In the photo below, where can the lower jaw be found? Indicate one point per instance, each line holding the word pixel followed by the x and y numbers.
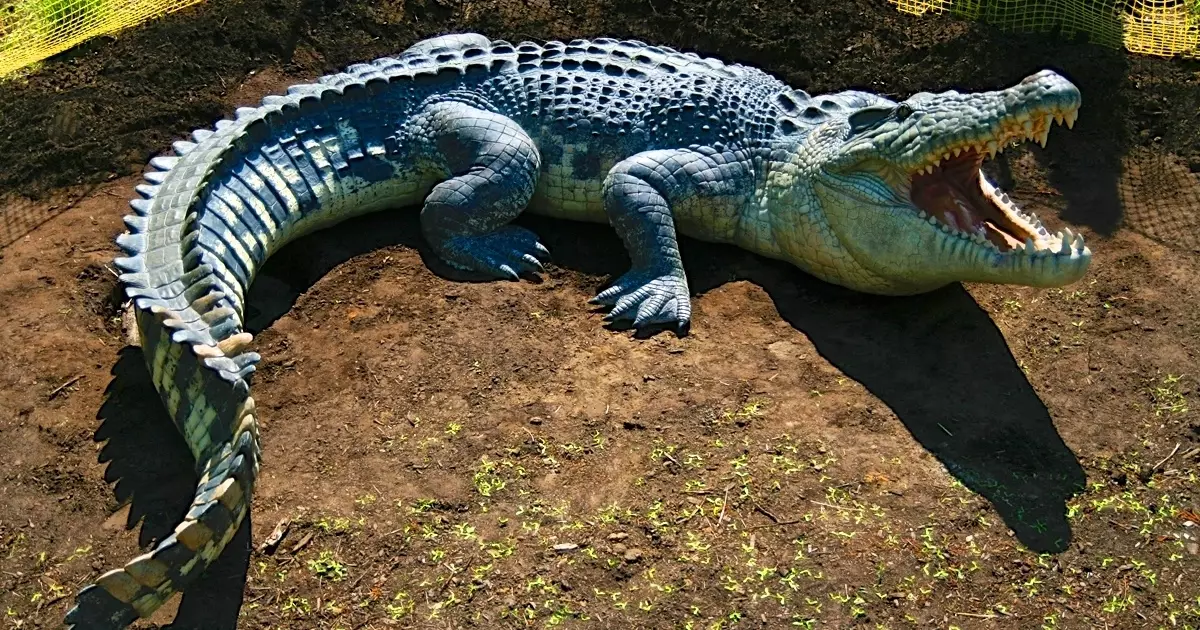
pixel 952 259
pixel 1042 268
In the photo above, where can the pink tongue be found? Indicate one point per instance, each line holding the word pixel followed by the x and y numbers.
pixel 961 217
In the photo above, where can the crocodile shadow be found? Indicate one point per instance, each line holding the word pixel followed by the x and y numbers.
pixel 943 367
pixel 151 470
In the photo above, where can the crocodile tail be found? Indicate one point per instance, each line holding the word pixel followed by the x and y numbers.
pixel 188 286
pixel 194 348
pixel 222 497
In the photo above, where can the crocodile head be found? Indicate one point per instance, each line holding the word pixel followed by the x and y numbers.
pixel 900 189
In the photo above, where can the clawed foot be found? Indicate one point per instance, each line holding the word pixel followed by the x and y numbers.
pixel 648 297
pixel 504 253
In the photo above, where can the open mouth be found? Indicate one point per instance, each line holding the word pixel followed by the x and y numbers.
pixel 952 194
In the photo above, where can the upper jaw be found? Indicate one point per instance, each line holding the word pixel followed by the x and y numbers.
pixel 986 140
pixel 968 129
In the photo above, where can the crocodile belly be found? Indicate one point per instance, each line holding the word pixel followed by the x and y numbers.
pixel 572 176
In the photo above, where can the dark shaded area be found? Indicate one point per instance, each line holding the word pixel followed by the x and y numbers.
pixel 937 360
pixel 1083 164
pixel 152 470
pixel 292 270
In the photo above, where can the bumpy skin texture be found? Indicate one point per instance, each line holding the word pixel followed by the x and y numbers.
pixel 654 142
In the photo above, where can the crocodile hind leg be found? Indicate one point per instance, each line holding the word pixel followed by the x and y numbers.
pixel 493 165
pixel 642 195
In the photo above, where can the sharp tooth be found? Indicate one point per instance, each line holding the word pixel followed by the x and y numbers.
pixel 1070 117
pixel 991 148
pixel 1065 248
pixel 932 221
pixel 1067 234
pixel 1029 246
pixel 1044 137
pixel 1028 127
pixel 922 214
pixel 957 151
pixel 1078 243
pixel 1058 117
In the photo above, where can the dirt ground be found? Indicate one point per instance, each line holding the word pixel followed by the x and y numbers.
pixel 447 454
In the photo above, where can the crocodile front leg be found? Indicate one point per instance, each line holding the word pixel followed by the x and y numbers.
pixel 494 166
pixel 639 195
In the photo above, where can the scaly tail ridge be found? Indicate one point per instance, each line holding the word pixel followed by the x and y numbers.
pixel 194 349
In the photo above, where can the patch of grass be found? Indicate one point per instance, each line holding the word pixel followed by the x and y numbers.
pixel 1167 398
pixel 731 527
pixel 71 15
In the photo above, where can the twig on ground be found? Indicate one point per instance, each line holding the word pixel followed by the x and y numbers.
pixel 1158 466
pixel 775 522
pixel 977 615
pixel 58 390
pixel 836 507
pixel 724 504
pixel 764 512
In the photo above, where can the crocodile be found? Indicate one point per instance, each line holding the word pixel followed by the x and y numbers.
pixel 878 195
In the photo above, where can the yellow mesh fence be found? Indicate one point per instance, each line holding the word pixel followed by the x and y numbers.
pixel 1164 28
pixel 32 30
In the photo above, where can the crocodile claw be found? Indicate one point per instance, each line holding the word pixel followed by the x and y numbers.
pixel 504 253
pixel 648 298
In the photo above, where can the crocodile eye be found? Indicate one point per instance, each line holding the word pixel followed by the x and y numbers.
pixel 903 110
pixel 868 117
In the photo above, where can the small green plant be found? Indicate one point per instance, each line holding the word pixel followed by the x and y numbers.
pixel 326 566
